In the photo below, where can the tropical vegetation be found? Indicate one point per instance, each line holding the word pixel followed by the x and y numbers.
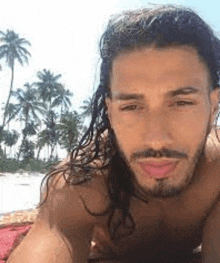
pixel 42 111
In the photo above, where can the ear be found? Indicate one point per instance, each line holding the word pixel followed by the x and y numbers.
pixel 214 99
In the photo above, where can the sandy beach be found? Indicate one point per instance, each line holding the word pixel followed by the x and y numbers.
pixel 19 192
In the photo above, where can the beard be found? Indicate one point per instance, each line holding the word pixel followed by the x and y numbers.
pixel 165 187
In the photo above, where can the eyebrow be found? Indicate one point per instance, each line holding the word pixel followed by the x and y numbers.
pixel 126 96
pixel 183 91
pixel 172 93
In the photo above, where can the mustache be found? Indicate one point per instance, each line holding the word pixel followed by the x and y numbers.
pixel 158 154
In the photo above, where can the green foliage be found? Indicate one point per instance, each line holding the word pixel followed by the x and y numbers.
pixel 61 99
pixel 47 86
pixel 35 165
pixel 27 150
pixel 87 107
pixel 9 165
pixel 27 107
pixel 12 49
pixel 43 110
pixel 49 136
pixel 10 138
pixel 1 134
pixel 69 130
pixel 32 164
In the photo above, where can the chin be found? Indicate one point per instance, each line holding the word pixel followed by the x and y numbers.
pixel 166 187
pixel 164 190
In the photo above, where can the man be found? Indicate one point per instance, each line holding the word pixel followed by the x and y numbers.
pixel 143 185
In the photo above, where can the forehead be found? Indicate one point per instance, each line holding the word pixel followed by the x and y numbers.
pixel 159 69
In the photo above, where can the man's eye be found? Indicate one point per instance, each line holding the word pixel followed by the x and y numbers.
pixel 129 108
pixel 183 103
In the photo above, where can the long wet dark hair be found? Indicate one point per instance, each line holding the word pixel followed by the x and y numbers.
pixel 161 26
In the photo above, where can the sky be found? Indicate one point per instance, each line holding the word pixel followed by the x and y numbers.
pixel 64 38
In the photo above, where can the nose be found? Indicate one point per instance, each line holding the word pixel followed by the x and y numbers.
pixel 157 130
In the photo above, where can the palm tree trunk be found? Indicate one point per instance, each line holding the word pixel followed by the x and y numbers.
pixel 52 150
pixel 48 152
pixel 10 152
pixel 22 142
pixel 38 152
pixel 24 137
pixel 9 96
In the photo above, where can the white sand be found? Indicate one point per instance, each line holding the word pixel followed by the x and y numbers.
pixel 19 191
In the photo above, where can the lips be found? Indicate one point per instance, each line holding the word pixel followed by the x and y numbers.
pixel 158 170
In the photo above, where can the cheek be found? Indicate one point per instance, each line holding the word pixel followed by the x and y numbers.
pixel 185 129
pixel 189 126
pixel 194 127
pixel 126 136
pixel 191 133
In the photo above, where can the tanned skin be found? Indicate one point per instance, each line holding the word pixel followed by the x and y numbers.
pixel 185 211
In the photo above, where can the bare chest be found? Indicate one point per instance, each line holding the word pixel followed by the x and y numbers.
pixel 160 231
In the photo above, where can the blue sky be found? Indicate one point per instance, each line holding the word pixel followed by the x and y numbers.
pixel 64 37
pixel 208 9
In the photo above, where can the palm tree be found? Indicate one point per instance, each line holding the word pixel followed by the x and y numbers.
pixel 48 85
pixel 42 140
pixel 10 138
pixel 87 107
pixel 69 130
pixel 62 99
pixel 30 129
pixel 28 109
pixel 11 113
pixel 49 136
pixel 27 105
pixel 27 150
pixel 12 49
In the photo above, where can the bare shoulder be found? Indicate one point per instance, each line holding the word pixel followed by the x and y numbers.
pixel 211 236
pixel 213 144
pixel 69 202
pixel 66 207
pixel 211 232
pixel 63 227
pixel 63 201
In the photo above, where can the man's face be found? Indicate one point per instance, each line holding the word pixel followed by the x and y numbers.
pixel 161 112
